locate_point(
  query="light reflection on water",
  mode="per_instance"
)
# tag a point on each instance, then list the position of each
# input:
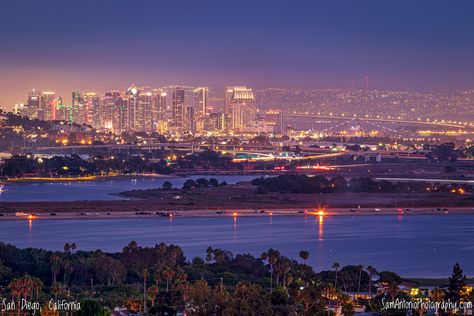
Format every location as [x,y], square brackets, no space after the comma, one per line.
[425,246]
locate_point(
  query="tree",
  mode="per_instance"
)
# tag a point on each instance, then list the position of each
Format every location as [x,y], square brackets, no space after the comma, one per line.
[347,309]
[457,282]
[272,257]
[167,185]
[360,268]
[90,308]
[108,270]
[304,255]
[372,271]
[189,184]
[152,293]
[202,183]
[55,262]
[310,301]
[145,275]
[248,299]
[168,274]
[335,266]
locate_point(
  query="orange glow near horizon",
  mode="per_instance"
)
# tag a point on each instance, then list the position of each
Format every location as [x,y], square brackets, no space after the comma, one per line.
[319,212]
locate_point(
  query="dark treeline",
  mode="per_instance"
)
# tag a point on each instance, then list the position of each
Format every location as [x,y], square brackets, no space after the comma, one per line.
[161,281]
[75,165]
[300,183]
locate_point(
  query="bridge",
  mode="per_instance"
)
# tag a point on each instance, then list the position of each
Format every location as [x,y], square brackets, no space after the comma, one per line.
[434,123]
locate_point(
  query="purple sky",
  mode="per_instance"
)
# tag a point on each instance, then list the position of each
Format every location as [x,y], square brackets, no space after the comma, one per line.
[97,45]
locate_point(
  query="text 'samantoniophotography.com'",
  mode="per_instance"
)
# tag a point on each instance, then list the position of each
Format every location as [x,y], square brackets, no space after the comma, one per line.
[236,158]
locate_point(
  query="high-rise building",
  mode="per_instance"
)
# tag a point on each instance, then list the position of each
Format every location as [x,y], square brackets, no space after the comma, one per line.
[113,112]
[201,102]
[240,108]
[178,108]
[19,109]
[77,107]
[216,122]
[132,108]
[91,109]
[48,106]
[200,97]
[146,111]
[42,105]
[33,104]
[159,111]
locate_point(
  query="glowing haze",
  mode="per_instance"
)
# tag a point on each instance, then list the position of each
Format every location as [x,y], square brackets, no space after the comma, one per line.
[97,45]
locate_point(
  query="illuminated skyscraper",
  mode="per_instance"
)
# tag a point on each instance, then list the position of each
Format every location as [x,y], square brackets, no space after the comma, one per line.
[178,108]
[91,110]
[200,106]
[201,102]
[240,108]
[132,108]
[146,111]
[77,107]
[159,111]
[113,112]
[48,107]
[33,104]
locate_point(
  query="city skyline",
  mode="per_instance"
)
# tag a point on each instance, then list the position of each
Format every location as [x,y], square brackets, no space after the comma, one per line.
[418,46]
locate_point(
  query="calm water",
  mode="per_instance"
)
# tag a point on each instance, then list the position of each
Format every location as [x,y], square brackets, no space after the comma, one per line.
[424,246]
[94,190]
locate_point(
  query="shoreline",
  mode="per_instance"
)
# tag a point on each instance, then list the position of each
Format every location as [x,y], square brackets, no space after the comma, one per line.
[85,178]
[236,213]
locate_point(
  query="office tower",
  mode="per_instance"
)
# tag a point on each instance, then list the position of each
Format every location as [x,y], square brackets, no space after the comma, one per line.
[77,107]
[178,108]
[113,112]
[229,92]
[216,122]
[91,109]
[200,102]
[19,109]
[132,108]
[159,111]
[161,104]
[146,111]
[240,108]
[48,105]
[33,104]
[200,98]
[65,113]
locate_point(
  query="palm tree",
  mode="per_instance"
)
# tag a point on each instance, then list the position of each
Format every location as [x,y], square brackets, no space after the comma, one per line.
[157,277]
[335,266]
[168,275]
[68,268]
[272,257]
[371,271]
[56,290]
[55,266]
[152,293]
[304,255]
[145,275]
[360,268]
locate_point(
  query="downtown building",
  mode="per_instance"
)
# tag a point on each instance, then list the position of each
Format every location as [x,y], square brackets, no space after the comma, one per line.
[240,109]
[174,109]
[42,105]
